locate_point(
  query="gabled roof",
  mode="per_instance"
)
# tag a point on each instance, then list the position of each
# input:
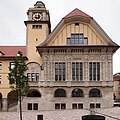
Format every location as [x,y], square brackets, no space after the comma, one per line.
[11,51]
[77,12]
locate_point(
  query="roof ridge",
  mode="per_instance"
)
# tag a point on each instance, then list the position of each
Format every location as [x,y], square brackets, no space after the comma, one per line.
[77,12]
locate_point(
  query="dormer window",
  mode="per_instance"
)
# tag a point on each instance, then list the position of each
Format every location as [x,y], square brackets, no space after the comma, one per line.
[77,39]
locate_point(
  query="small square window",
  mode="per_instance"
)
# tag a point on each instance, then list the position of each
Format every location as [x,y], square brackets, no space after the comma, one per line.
[39,117]
[74,106]
[57,106]
[29,106]
[80,106]
[98,105]
[92,105]
[63,106]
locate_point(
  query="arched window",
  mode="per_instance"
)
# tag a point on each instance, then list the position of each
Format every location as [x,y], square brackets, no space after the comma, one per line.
[77,93]
[33,72]
[60,93]
[33,93]
[95,93]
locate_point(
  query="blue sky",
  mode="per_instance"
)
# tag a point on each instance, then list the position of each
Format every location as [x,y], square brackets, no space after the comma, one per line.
[13,14]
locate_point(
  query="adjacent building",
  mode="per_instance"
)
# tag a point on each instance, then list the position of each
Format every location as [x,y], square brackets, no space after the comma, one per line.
[116,78]
[68,68]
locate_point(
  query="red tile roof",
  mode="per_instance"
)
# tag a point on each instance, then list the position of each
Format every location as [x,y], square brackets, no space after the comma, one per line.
[11,51]
[77,12]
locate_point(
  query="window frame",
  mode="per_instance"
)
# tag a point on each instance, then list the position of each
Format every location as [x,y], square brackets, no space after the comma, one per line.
[77,71]
[60,71]
[94,71]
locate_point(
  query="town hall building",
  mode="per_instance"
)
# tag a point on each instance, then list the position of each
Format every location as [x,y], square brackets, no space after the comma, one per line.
[70,67]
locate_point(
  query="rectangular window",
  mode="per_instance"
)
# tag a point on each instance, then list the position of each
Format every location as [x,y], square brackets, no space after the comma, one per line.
[77,71]
[60,106]
[77,39]
[57,106]
[32,106]
[77,106]
[36,26]
[29,106]
[29,76]
[76,24]
[12,65]
[98,105]
[85,40]
[63,106]
[92,105]
[35,106]
[33,76]
[94,71]
[95,105]
[0,65]
[60,71]
[74,106]
[68,41]
[80,106]
[39,117]
[37,76]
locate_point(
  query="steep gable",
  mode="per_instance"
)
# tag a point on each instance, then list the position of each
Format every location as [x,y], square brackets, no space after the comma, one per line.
[76,26]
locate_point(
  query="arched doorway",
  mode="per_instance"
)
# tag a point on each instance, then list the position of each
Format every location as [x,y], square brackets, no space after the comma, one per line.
[0,101]
[12,98]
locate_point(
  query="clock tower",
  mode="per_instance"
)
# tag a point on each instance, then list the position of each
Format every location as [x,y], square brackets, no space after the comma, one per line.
[38,28]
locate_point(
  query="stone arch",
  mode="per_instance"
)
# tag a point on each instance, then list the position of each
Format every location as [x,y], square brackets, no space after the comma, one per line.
[60,93]
[0,101]
[33,93]
[12,98]
[77,93]
[95,93]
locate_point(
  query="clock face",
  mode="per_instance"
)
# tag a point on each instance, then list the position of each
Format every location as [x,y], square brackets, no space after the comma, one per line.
[37,16]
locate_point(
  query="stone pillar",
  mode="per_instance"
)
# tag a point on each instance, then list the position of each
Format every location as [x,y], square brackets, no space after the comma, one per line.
[5,104]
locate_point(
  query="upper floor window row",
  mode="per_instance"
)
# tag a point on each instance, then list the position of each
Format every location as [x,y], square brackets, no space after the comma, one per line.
[77,39]
[77,71]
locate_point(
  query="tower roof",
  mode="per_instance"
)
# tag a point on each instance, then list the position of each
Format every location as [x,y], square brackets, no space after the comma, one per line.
[77,12]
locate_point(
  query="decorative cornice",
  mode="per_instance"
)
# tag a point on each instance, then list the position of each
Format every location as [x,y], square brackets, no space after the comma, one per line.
[76,49]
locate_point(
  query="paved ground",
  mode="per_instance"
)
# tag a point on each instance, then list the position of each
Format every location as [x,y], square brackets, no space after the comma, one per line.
[110,114]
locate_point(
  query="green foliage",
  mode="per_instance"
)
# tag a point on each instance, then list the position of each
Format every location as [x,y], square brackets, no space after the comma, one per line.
[17,77]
